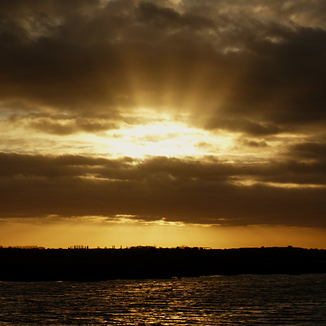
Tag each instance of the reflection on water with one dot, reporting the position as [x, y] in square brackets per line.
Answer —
[219, 300]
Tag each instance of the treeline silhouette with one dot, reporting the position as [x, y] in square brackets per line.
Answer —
[83, 264]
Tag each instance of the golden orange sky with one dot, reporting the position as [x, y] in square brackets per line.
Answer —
[167, 123]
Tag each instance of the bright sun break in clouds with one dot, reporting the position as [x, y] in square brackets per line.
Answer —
[163, 136]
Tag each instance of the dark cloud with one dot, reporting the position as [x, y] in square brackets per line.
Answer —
[243, 125]
[242, 67]
[169, 18]
[310, 150]
[67, 124]
[255, 144]
[179, 190]
[71, 126]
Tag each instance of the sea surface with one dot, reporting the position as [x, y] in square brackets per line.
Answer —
[215, 300]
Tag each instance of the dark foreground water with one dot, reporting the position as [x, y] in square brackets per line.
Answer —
[218, 300]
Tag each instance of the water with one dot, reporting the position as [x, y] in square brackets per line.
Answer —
[218, 300]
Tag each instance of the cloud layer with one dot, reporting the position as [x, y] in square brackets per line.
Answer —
[255, 70]
[209, 192]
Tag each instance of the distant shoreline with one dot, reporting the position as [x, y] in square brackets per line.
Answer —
[82, 264]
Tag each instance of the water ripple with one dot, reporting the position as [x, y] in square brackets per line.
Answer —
[221, 300]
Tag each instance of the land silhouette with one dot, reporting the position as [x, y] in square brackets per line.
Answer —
[82, 264]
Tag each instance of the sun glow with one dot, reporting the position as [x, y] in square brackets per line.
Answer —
[157, 139]
[163, 135]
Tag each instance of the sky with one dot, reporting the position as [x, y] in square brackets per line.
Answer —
[166, 123]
